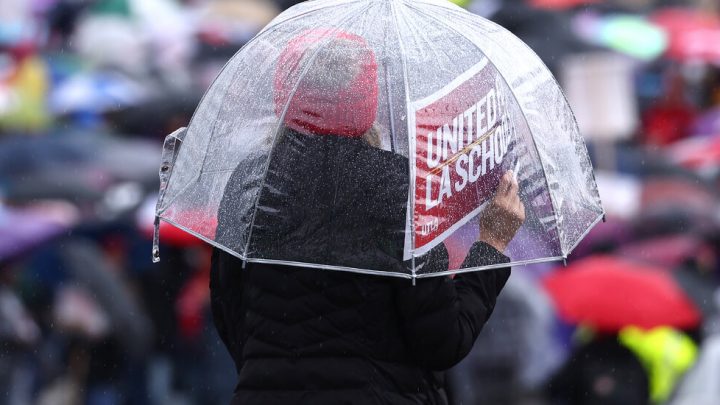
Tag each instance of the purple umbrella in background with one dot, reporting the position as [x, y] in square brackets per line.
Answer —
[23, 229]
[708, 123]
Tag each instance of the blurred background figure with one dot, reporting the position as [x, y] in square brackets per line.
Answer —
[89, 88]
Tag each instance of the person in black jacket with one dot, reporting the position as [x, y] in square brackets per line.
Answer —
[302, 335]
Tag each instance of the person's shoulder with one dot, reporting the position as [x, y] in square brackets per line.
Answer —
[381, 159]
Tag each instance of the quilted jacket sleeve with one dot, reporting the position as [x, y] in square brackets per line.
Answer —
[226, 302]
[441, 316]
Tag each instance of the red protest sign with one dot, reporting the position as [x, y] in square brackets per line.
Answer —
[462, 136]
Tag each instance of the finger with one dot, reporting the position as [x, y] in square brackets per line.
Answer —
[521, 212]
[514, 186]
[505, 183]
[515, 200]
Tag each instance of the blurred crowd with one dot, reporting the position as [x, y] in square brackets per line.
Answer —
[89, 88]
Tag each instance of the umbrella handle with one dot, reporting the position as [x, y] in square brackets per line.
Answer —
[156, 240]
[171, 148]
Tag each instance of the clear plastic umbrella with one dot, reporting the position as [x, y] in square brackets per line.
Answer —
[359, 135]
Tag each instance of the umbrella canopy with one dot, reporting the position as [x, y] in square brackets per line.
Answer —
[610, 293]
[359, 135]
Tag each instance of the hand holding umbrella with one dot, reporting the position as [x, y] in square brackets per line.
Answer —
[504, 215]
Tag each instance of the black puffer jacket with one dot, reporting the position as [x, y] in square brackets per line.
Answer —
[309, 336]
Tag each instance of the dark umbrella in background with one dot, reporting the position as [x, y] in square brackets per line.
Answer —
[156, 116]
[77, 167]
[548, 32]
[602, 372]
[87, 265]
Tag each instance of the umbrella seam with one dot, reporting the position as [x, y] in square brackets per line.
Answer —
[587, 231]
[286, 262]
[411, 165]
[355, 269]
[491, 267]
[391, 113]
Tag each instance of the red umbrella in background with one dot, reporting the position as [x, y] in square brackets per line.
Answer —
[609, 293]
[693, 34]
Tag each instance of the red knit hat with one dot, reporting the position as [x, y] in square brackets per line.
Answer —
[337, 94]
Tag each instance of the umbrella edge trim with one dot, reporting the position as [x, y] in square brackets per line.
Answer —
[286, 262]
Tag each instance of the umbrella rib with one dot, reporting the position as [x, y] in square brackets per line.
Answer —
[491, 267]
[411, 165]
[450, 26]
[584, 234]
[345, 20]
[393, 142]
[321, 266]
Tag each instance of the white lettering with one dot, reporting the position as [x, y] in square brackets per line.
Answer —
[497, 143]
[445, 185]
[487, 154]
[433, 159]
[460, 164]
[429, 201]
[458, 122]
[474, 154]
[449, 138]
[480, 116]
[491, 108]
[469, 122]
